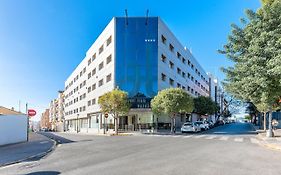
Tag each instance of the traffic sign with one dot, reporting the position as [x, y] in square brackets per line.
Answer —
[31, 112]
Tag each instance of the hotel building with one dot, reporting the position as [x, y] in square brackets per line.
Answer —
[141, 56]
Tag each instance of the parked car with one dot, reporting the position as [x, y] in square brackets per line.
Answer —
[210, 123]
[190, 127]
[202, 125]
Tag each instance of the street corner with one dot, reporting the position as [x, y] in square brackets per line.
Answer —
[35, 149]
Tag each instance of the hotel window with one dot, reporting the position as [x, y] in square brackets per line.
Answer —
[84, 109]
[163, 58]
[195, 92]
[80, 109]
[188, 62]
[89, 89]
[183, 60]
[188, 75]
[94, 71]
[100, 49]
[171, 48]
[108, 59]
[192, 78]
[81, 85]
[171, 65]
[84, 82]
[183, 87]
[93, 101]
[100, 82]
[100, 65]
[89, 61]
[84, 95]
[178, 55]
[179, 70]
[196, 71]
[191, 90]
[93, 86]
[84, 70]
[188, 88]
[89, 75]
[183, 74]
[178, 85]
[93, 57]
[108, 41]
[81, 74]
[80, 97]
[89, 103]
[163, 39]
[171, 82]
[192, 66]
[163, 77]
[108, 78]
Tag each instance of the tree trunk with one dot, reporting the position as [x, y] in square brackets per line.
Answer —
[116, 125]
[264, 121]
[269, 132]
[172, 125]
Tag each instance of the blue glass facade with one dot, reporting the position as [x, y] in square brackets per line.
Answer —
[136, 55]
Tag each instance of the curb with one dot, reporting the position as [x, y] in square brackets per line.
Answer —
[39, 155]
[271, 146]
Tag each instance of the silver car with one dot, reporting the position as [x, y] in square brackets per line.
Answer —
[190, 127]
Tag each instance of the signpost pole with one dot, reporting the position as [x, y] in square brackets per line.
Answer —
[26, 112]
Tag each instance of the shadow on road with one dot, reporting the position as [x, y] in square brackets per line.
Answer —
[44, 173]
[58, 139]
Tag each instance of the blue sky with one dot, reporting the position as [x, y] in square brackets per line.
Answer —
[41, 42]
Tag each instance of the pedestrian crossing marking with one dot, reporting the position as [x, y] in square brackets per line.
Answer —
[238, 139]
[224, 138]
[199, 136]
[253, 140]
[210, 137]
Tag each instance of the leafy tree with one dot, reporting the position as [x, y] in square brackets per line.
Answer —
[255, 49]
[115, 103]
[205, 106]
[252, 110]
[171, 102]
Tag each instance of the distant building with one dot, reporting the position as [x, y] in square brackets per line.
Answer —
[45, 120]
[56, 113]
[7, 111]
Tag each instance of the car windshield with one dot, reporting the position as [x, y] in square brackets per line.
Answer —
[199, 122]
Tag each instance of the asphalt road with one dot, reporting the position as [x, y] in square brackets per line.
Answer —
[230, 149]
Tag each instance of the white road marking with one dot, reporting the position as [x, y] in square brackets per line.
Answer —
[43, 142]
[199, 136]
[238, 139]
[210, 137]
[253, 140]
[188, 136]
[224, 138]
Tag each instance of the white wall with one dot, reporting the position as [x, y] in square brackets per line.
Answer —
[13, 129]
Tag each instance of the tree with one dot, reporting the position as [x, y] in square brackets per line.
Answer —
[255, 49]
[171, 102]
[115, 103]
[252, 110]
[205, 106]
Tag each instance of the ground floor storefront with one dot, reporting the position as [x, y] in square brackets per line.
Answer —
[137, 120]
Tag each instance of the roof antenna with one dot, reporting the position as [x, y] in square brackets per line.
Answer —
[126, 13]
[146, 17]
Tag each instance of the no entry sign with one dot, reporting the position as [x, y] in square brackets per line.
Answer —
[31, 112]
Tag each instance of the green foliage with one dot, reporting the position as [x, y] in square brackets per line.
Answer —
[255, 49]
[205, 106]
[171, 101]
[248, 117]
[267, 2]
[114, 102]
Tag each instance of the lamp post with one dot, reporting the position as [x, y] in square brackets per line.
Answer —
[77, 123]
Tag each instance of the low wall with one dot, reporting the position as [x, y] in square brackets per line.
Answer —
[13, 129]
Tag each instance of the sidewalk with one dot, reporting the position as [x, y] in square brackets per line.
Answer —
[272, 143]
[36, 147]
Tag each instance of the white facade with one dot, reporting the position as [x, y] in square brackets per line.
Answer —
[95, 75]
[13, 129]
[92, 78]
[56, 113]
